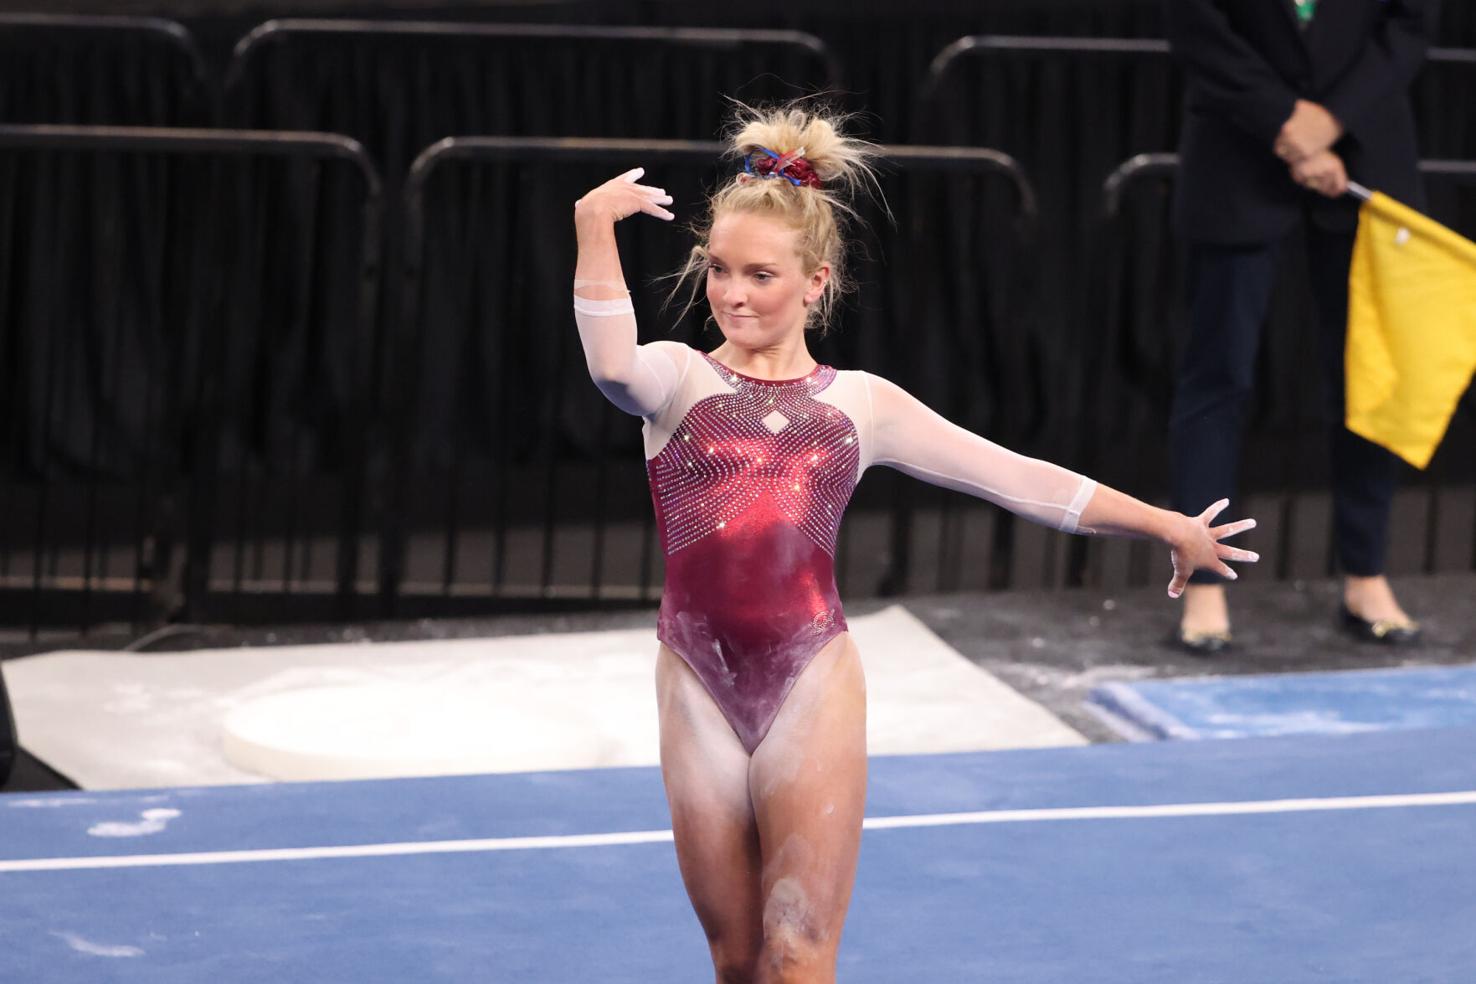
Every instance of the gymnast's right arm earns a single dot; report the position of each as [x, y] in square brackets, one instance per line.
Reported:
[638, 379]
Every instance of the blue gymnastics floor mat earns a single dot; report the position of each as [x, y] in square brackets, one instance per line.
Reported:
[1290, 703]
[1344, 859]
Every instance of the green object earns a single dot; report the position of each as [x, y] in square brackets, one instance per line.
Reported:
[1304, 11]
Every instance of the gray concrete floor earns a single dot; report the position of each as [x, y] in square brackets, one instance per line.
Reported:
[1051, 646]
[1054, 647]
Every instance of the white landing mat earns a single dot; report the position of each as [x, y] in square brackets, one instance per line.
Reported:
[510, 704]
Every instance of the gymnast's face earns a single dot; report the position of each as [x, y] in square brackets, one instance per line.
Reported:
[757, 285]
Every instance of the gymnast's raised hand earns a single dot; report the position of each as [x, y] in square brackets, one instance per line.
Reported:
[621, 198]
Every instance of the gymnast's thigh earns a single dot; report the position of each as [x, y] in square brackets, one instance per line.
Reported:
[808, 781]
[706, 768]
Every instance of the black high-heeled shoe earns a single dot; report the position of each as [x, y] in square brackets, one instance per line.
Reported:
[1385, 631]
[1202, 643]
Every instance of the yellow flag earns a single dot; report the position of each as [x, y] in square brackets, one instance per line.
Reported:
[1411, 328]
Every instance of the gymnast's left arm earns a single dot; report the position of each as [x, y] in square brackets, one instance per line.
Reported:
[910, 437]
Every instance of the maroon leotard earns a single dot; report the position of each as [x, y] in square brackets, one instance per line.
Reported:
[750, 477]
[749, 492]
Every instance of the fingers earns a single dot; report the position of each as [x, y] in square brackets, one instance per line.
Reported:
[657, 195]
[1323, 173]
[1176, 586]
[1308, 175]
[1231, 529]
[635, 174]
[1210, 554]
[1215, 508]
[653, 207]
[1323, 184]
[623, 196]
[655, 198]
[1226, 552]
[1182, 572]
[1289, 151]
[1293, 147]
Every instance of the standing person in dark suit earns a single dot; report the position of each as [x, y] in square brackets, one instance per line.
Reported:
[1285, 100]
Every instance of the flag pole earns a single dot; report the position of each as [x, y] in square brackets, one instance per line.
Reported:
[1358, 191]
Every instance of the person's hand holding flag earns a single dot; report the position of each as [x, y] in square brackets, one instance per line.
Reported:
[1323, 173]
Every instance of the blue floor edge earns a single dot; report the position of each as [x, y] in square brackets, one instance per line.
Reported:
[1288, 704]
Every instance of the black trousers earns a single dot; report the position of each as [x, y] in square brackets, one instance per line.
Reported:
[1229, 293]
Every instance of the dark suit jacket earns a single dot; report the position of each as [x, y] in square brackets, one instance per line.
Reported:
[1247, 62]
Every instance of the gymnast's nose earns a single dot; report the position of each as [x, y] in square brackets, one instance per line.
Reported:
[735, 296]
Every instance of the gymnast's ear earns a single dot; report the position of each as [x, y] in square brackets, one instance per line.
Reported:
[818, 279]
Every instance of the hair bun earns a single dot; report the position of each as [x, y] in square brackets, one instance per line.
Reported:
[802, 143]
[793, 167]
[802, 132]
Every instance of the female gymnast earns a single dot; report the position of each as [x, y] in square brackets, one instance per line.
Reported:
[753, 451]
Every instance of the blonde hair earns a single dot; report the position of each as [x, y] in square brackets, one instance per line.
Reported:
[820, 215]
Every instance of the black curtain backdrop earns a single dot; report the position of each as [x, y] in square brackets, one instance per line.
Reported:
[159, 253]
[505, 426]
[118, 269]
[105, 76]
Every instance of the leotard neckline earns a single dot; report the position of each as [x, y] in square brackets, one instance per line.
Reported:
[765, 382]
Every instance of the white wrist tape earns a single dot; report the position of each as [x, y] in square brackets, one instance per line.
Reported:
[603, 309]
[617, 284]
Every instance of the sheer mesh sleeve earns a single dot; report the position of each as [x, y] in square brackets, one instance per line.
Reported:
[911, 438]
[638, 379]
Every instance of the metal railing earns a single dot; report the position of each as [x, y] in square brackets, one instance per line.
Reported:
[285, 30]
[587, 149]
[593, 479]
[992, 45]
[377, 490]
[985, 45]
[176, 498]
[175, 504]
[1147, 166]
[170, 34]
[1127, 54]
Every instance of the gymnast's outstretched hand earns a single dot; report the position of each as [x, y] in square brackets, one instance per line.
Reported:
[1196, 546]
[621, 197]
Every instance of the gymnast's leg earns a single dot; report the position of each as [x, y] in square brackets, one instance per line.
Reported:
[706, 771]
[808, 783]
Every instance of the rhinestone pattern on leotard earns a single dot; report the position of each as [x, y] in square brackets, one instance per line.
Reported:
[764, 439]
[749, 490]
